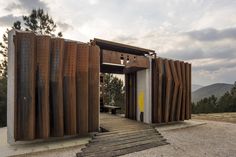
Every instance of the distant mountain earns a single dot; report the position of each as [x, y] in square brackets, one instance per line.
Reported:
[196, 87]
[217, 89]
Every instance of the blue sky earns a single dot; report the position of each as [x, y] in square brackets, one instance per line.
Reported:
[202, 32]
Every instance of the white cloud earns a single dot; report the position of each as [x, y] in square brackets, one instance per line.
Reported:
[163, 25]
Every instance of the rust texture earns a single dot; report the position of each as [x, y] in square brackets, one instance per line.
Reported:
[42, 86]
[69, 87]
[57, 85]
[56, 88]
[25, 86]
[94, 70]
[171, 90]
[82, 69]
[131, 95]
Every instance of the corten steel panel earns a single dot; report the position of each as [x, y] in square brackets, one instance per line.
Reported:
[25, 86]
[175, 90]
[180, 92]
[160, 87]
[157, 90]
[69, 87]
[110, 57]
[187, 91]
[131, 95]
[129, 60]
[82, 88]
[42, 86]
[137, 61]
[184, 91]
[56, 90]
[94, 70]
[190, 90]
[168, 82]
[154, 91]
[126, 95]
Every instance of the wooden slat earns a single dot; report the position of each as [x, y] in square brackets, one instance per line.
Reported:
[184, 91]
[56, 90]
[168, 82]
[69, 87]
[175, 91]
[94, 69]
[180, 92]
[119, 141]
[25, 86]
[82, 88]
[42, 86]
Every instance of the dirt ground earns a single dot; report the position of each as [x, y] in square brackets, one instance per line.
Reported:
[224, 117]
[213, 139]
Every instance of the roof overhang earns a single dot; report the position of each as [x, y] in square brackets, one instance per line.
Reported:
[115, 46]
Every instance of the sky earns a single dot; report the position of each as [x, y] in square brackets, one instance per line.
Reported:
[201, 32]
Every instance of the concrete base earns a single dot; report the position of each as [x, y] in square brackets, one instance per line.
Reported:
[178, 125]
[22, 148]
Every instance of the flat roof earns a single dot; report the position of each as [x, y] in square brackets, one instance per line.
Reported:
[115, 46]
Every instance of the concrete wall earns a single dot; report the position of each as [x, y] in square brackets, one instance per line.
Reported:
[144, 95]
[11, 90]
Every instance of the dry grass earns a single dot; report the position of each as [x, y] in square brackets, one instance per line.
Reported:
[223, 117]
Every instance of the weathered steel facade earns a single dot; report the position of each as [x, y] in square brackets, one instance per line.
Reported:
[53, 85]
[171, 90]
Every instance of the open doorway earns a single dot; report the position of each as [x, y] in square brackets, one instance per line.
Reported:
[112, 93]
[130, 62]
[118, 94]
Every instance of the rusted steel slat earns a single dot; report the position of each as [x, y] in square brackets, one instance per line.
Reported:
[135, 96]
[175, 90]
[159, 95]
[94, 69]
[42, 86]
[184, 91]
[190, 90]
[167, 91]
[126, 96]
[25, 86]
[180, 91]
[154, 91]
[69, 87]
[187, 91]
[82, 88]
[56, 90]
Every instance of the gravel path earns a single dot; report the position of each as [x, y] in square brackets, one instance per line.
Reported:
[214, 139]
